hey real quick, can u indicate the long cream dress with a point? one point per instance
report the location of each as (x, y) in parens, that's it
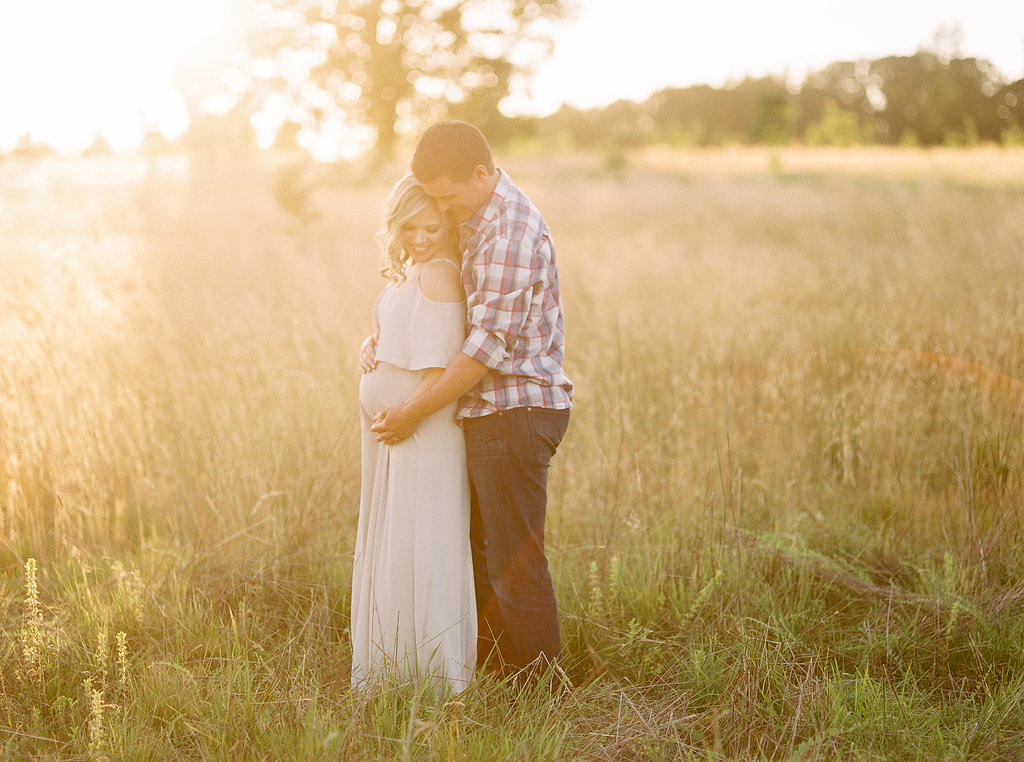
(413, 605)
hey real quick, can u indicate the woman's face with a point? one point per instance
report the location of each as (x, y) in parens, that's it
(423, 235)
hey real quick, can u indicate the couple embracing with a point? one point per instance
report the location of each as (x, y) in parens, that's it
(463, 403)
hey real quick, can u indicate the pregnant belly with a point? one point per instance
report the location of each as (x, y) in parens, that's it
(387, 385)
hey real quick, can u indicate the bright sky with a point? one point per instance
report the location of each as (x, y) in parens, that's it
(632, 48)
(70, 69)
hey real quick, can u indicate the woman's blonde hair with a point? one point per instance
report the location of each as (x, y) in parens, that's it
(406, 200)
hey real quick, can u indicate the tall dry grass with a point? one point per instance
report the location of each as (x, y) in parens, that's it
(786, 521)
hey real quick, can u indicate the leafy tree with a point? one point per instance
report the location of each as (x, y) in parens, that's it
(1012, 135)
(837, 127)
(29, 147)
(98, 147)
(714, 115)
(929, 98)
(775, 118)
(846, 86)
(940, 100)
(390, 65)
(1010, 113)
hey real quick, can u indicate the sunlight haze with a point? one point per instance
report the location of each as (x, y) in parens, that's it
(73, 70)
(112, 67)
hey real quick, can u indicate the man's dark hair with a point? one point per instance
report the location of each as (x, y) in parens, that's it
(451, 148)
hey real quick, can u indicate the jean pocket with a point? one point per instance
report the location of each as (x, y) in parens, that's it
(547, 427)
(484, 441)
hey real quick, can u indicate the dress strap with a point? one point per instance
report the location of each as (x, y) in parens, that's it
(437, 280)
(444, 259)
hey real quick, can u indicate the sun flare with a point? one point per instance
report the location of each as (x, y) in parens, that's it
(108, 68)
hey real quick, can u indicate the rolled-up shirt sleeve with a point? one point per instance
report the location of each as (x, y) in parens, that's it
(500, 301)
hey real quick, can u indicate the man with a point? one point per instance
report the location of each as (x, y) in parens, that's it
(515, 397)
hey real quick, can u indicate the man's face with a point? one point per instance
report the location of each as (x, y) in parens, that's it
(462, 199)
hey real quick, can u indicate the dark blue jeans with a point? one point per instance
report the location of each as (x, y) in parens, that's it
(508, 455)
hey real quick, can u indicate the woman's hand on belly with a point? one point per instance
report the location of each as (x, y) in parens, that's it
(393, 424)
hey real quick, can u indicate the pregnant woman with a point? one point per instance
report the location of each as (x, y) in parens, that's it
(413, 606)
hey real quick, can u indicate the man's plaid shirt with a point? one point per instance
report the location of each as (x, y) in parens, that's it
(516, 326)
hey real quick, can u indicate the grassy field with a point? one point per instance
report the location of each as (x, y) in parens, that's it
(786, 522)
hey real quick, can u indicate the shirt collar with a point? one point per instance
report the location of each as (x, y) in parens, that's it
(489, 211)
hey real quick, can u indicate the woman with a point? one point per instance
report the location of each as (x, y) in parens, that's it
(413, 607)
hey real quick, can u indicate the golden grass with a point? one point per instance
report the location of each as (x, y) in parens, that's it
(791, 486)
(985, 165)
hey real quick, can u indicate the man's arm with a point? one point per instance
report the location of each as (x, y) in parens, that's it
(368, 354)
(395, 423)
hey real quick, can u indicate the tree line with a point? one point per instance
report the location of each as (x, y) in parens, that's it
(924, 99)
(369, 73)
